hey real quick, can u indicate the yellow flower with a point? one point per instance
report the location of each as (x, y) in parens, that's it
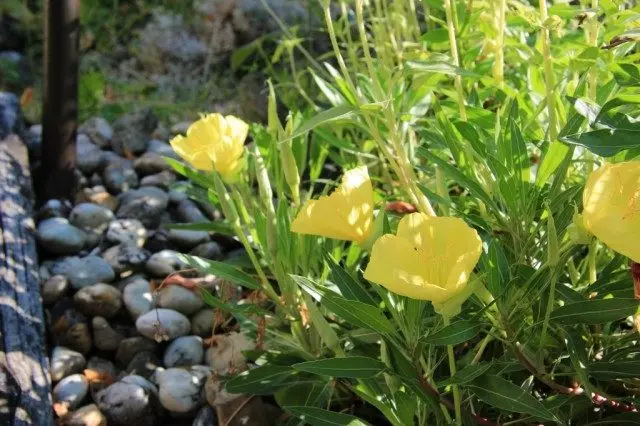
(430, 258)
(611, 201)
(214, 142)
(346, 214)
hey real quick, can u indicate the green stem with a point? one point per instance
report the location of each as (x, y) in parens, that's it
(452, 370)
(454, 54)
(592, 257)
(498, 69)
(547, 315)
(548, 73)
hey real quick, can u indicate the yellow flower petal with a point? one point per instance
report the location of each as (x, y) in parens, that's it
(396, 265)
(191, 153)
(430, 258)
(611, 201)
(346, 214)
(216, 142)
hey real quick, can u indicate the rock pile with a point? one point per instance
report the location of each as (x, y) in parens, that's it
(123, 353)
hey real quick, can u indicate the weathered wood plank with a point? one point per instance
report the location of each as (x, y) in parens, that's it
(25, 385)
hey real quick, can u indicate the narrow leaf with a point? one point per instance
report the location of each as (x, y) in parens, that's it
(319, 417)
(355, 367)
(615, 370)
(458, 332)
(260, 381)
(503, 394)
(596, 311)
(221, 270)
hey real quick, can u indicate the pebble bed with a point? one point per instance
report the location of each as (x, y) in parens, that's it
(101, 260)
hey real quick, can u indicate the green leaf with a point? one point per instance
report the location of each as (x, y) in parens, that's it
(614, 370)
(504, 395)
(217, 303)
(605, 142)
(354, 367)
(626, 74)
(217, 227)
(438, 68)
(261, 381)
(222, 270)
(597, 311)
(357, 313)
(467, 374)
(196, 177)
(458, 332)
(437, 35)
(496, 264)
(336, 113)
(460, 178)
(349, 287)
(319, 417)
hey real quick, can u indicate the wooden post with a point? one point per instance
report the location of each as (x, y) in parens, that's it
(25, 385)
(61, 38)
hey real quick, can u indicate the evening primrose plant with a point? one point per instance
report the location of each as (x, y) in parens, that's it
(453, 237)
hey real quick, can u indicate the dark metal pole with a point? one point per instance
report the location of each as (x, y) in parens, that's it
(59, 116)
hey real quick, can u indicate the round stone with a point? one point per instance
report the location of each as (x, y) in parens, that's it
(84, 271)
(120, 177)
(54, 208)
(209, 250)
(71, 390)
(161, 180)
(130, 346)
(140, 381)
(165, 262)
(100, 299)
(184, 351)
(162, 148)
(65, 362)
(104, 336)
(91, 217)
(89, 156)
(150, 163)
(97, 195)
(146, 204)
(137, 297)
(186, 240)
(202, 322)
(89, 415)
(187, 211)
(180, 390)
(53, 288)
(163, 324)
(179, 299)
(128, 404)
(102, 372)
(99, 131)
(126, 231)
(125, 258)
(144, 364)
(58, 236)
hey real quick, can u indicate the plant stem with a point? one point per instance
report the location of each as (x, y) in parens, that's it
(591, 259)
(548, 72)
(498, 67)
(454, 54)
(452, 370)
(547, 315)
(592, 39)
